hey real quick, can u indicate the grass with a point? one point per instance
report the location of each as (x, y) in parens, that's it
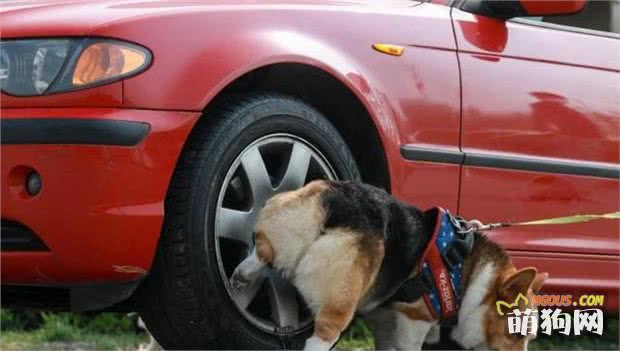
(358, 337)
(34, 340)
(111, 331)
(67, 331)
(607, 341)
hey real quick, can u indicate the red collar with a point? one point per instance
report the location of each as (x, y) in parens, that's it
(438, 265)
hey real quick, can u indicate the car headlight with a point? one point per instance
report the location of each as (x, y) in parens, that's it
(45, 66)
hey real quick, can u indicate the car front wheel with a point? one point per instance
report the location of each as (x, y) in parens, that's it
(240, 153)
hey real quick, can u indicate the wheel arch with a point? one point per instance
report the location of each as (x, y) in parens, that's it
(338, 101)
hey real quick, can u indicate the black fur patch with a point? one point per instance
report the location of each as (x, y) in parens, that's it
(368, 210)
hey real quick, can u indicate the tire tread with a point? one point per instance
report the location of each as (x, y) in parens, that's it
(170, 293)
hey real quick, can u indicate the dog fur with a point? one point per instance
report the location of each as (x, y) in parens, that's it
(347, 247)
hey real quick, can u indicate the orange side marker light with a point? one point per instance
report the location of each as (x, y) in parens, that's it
(390, 49)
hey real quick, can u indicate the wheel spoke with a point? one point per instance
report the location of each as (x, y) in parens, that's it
(257, 174)
(241, 197)
(297, 169)
(245, 297)
(234, 224)
(284, 309)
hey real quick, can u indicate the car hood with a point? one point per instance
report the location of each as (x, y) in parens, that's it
(80, 17)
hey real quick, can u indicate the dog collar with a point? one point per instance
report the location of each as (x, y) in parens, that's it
(440, 269)
(442, 262)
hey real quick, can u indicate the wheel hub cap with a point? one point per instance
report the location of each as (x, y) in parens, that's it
(270, 165)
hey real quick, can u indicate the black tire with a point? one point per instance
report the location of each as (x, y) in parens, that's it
(183, 301)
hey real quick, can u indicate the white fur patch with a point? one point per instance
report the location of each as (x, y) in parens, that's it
(246, 272)
(525, 344)
(469, 331)
(434, 335)
(410, 334)
(291, 225)
(314, 343)
(251, 265)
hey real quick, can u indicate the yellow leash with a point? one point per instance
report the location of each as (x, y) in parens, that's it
(572, 219)
(477, 225)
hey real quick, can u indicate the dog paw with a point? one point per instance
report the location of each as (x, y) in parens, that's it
(314, 343)
(238, 282)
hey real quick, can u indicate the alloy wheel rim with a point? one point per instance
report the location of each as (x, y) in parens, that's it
(272, 164)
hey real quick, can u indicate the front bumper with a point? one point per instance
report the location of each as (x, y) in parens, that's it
(105, 173)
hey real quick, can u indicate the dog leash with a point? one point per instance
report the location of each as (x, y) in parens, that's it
(474, 225)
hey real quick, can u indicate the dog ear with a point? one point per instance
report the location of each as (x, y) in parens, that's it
(538, 282)
(518, 282)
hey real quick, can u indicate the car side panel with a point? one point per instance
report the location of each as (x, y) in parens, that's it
(576, 277)
(413, 99)
(547, 97)
(526, 99)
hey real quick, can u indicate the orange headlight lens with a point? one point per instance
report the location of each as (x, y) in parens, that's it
(105, 61)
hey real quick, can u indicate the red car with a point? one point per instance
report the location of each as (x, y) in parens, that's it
(139, 139)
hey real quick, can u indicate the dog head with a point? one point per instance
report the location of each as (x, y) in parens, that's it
(494, 292)
(513, 290)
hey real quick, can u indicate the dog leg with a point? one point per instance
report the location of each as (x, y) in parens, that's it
(434, 335)
(249, 269)
(333, 275)
(328, 324)
(246, 272)
(382, 324)
(413, 323)
(410, 333)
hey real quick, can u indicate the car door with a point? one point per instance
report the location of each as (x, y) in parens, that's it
(541, 138)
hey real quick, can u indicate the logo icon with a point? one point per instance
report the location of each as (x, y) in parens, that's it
(515, 305)
(526, 321)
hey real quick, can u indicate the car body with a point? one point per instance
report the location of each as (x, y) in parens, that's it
(498, 121)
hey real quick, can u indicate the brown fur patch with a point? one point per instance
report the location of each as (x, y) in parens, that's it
(496, 326)
(332, 320)
(539, 281)
(312, 188)
(484, 251)
(517, 282)
(417, 311)
(264, 250)
(279, 202)
(369, 259)
(345, 265)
